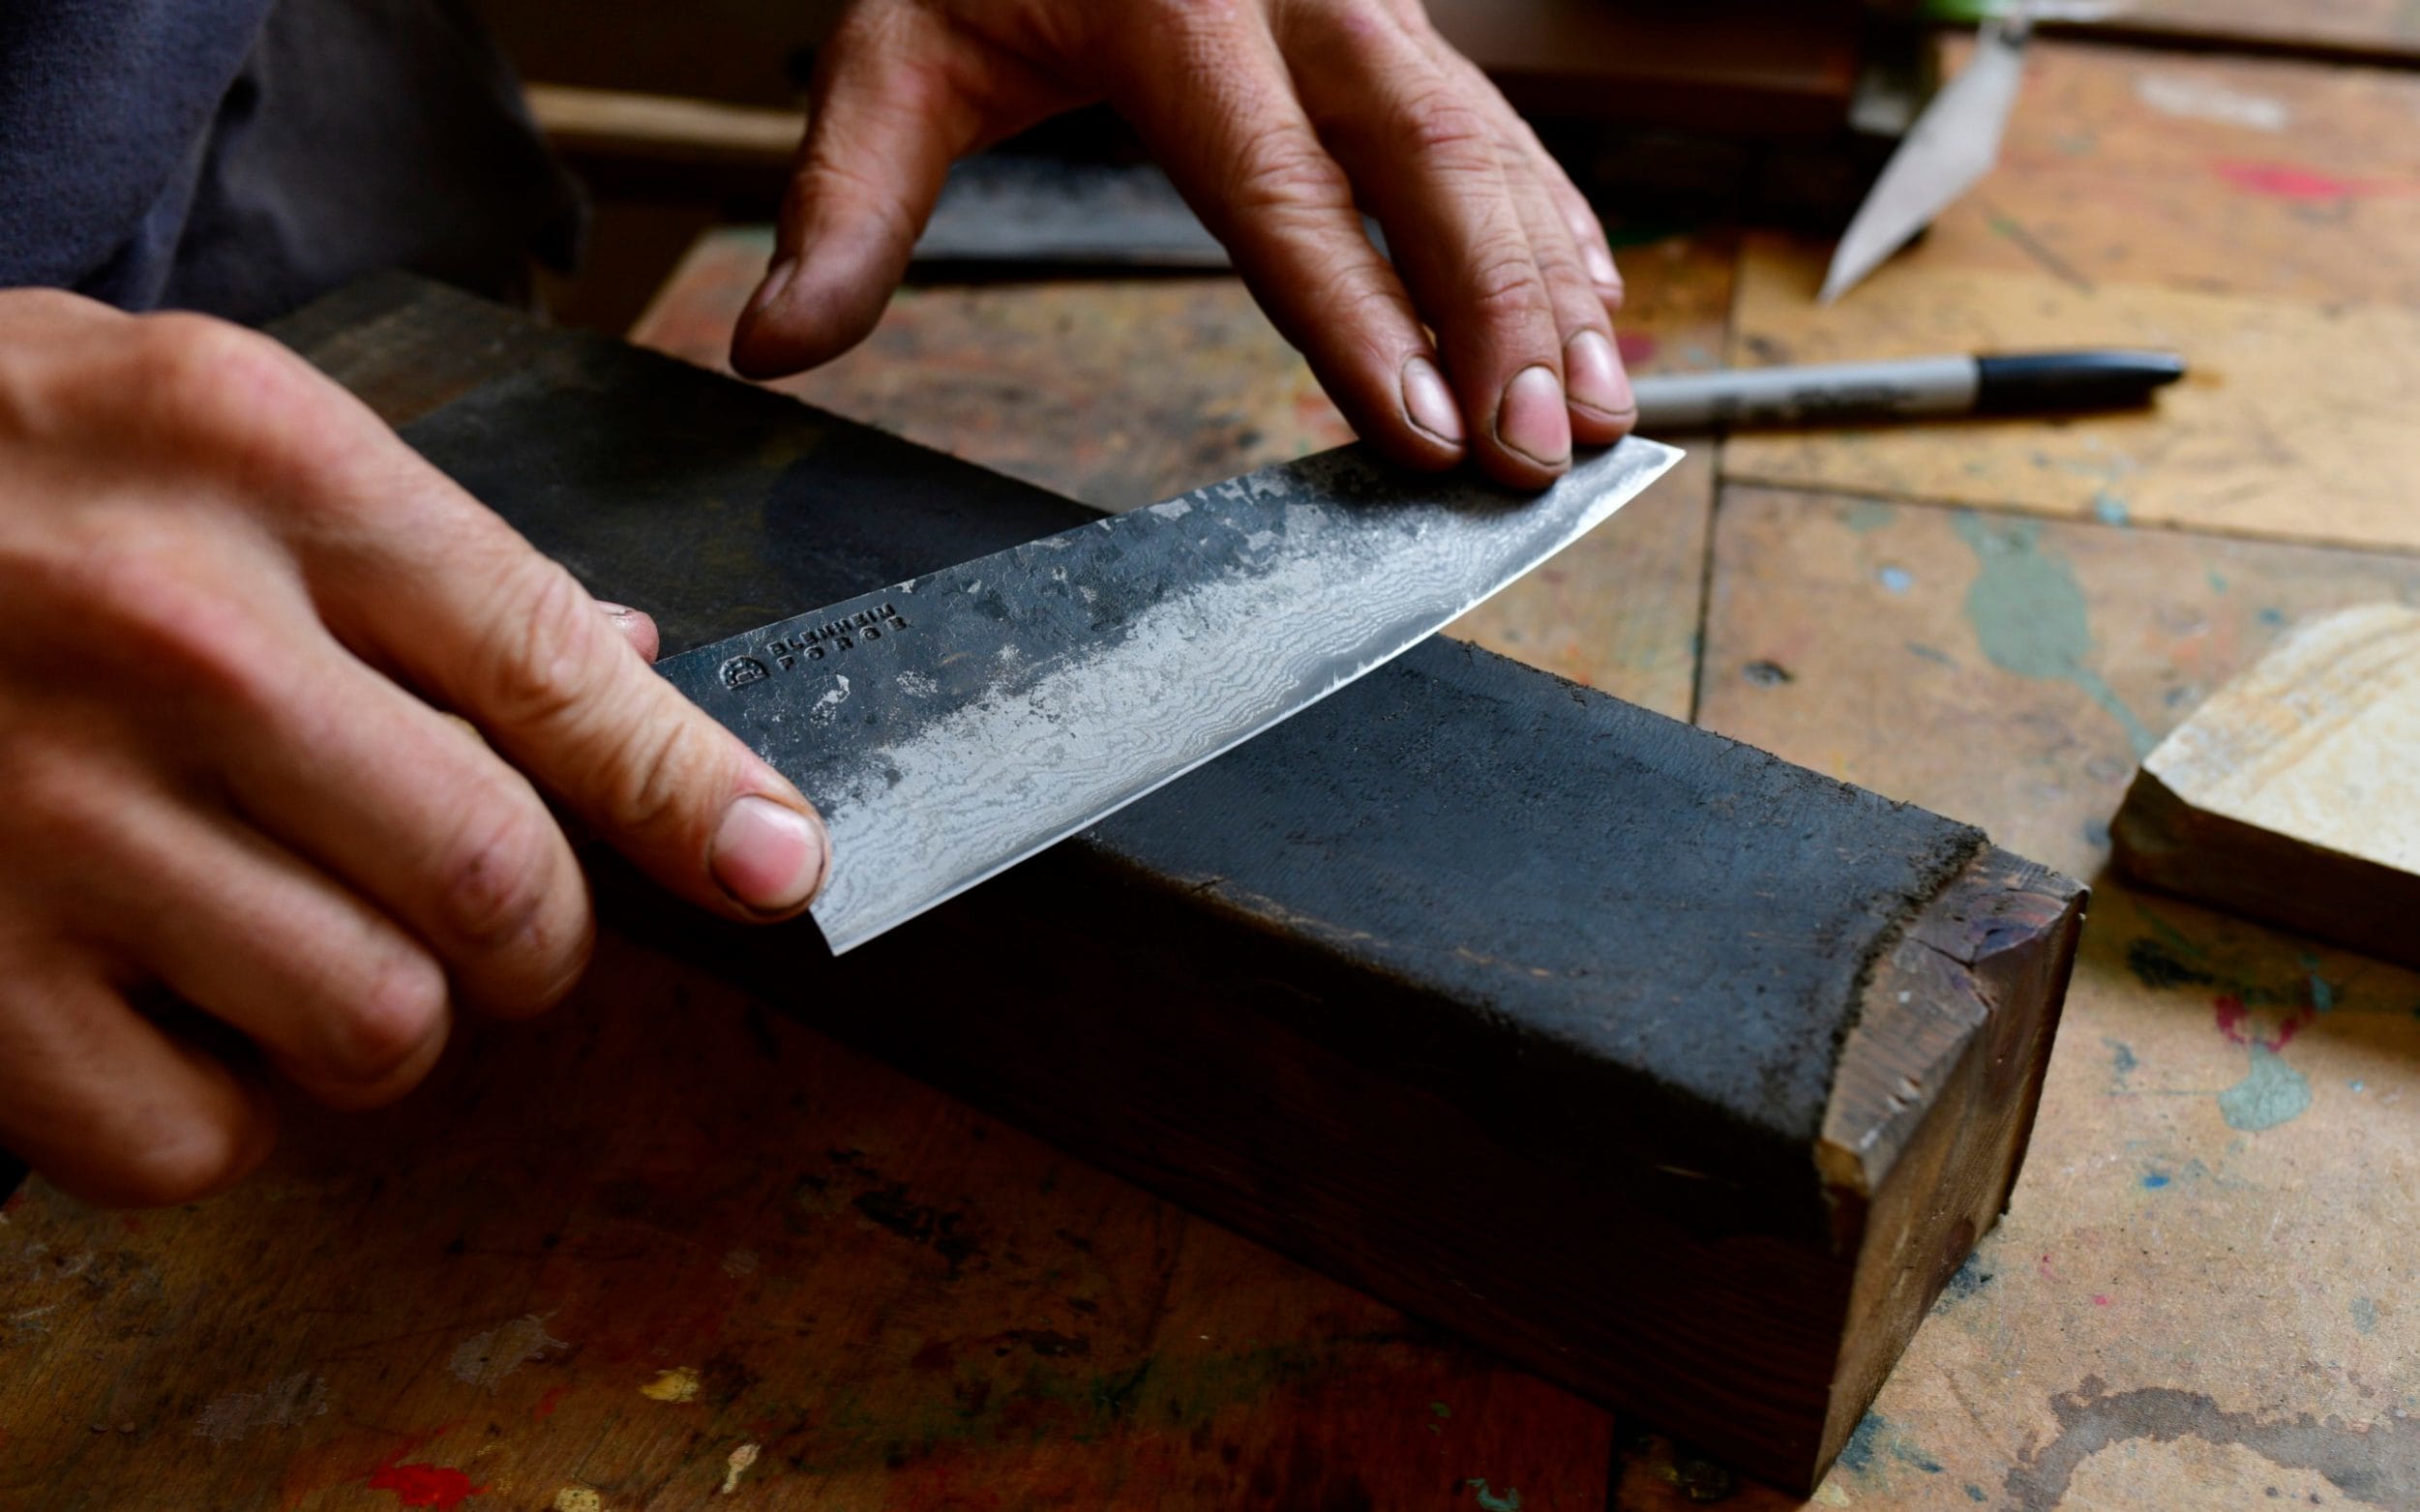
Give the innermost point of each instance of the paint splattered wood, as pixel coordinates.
(2385, 30)
(1038, 381)
(2284, 263)
(568, 1276)
(2293, 795)
(2197, 1294)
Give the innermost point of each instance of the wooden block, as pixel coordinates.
(1536, 1013)
(2293, 795)
(2224, 1160)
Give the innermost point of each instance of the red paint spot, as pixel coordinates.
(16, 1200)
(438, 1485)
(2100, 1300)
(2234, 1021)
(547, 1404)
(2285, 181)
(1636, 345)
(2045, 1267)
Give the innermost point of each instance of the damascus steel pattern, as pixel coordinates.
(948, 727)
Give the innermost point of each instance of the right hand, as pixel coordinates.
(245, 638)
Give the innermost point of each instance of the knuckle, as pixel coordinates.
(379, 1031)
(668, 781)
(1440, 125)
(495, 884)
(1503, 283)
(154, 609)
(1280, 171)
(159, 1158)
(542, 661)
(205, 370)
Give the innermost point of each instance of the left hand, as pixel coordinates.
(1280, 120)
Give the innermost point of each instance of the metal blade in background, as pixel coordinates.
(953, 725)
(1948, 151)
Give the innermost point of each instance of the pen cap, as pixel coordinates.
(2108, 380)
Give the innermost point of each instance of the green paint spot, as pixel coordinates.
(1866, 515)
(1509, 1501)
(2365, 1315)
(1441, 1409)
(2122, 1061)
(2029, 614)
(2218, 582)
(2270, 1094)
(2108, 508)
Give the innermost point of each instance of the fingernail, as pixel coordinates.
(1593, 375)
(768, 856)
(1533, 421)
(769, 292)
(615, 610)
(1600, 264)
(1429, 403)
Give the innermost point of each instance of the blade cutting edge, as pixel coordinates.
(948, 727)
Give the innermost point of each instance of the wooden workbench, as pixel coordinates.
(664, 1250)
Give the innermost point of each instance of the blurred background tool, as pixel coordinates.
(1951, 146)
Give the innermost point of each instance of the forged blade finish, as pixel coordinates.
(950, 726)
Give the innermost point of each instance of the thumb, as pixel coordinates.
(886, 123)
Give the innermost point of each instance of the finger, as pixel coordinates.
(636, 625)
(1572, 255)
(1425, 157)
(347, 1005)
(458, 607)
(897, 99)
(413, 811)
(1570, 205)
(1215, 105)
(106, 1106)
(1595, 387)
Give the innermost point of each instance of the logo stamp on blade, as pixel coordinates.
(817, 644)
(741, 670)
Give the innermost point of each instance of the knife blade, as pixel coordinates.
(950, 726)
(1948, 151)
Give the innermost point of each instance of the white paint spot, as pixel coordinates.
(740, 1459)
(1174, 509)
(485, 1359)
(2206, 100)
(1260, 540)
(829, 704)
(578, 1499)
(916, 685)
(237, 1414)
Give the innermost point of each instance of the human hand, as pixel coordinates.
(278, 701)
(1280, 120)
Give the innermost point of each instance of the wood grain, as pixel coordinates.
(2289, 795)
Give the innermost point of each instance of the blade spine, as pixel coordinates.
(1660, 465)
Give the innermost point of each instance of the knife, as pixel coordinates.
(948, 727)
(1948, 151)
